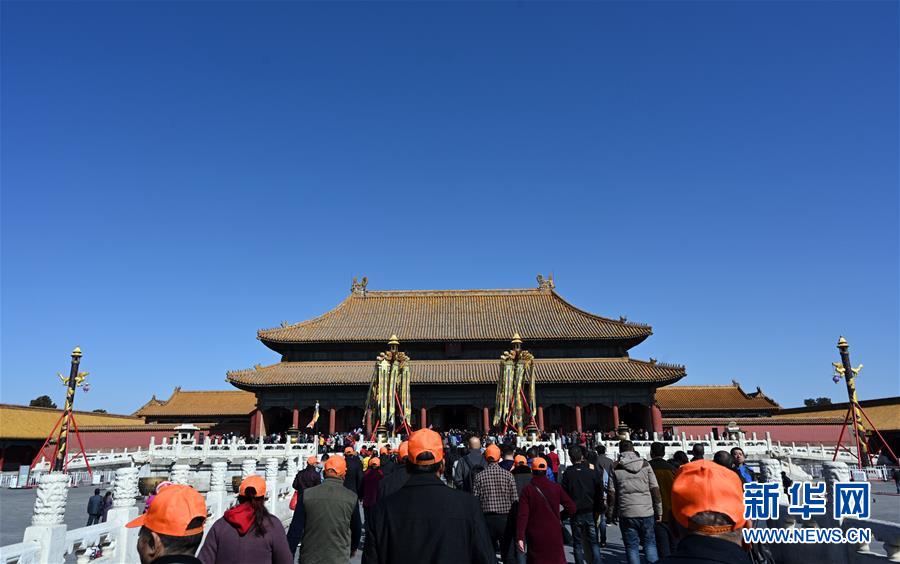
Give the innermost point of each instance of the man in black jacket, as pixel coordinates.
(708, 505)
(308, 477)
(426, 521)
(95, 508)
(583, 485)
(469, 465)
(391, 483)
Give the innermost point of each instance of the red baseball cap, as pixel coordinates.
(520, 460)
(706, 486)
(538, 463)
(492, 453)
(172, 510)
(374, 462)
(422, 441)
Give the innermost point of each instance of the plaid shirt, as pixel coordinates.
(495, 488)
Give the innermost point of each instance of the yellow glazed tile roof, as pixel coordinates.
(25, 422)
(455, 315)
(200, 403)
(556, 370)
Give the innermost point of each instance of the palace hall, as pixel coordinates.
(585, 377)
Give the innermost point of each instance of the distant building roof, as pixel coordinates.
(27, 422)
(713, 398)
(884, 412)
(200, 403)
(455, 315)
(555, 370)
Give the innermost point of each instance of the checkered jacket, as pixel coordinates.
(495, 488)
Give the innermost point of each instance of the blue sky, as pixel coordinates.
(177, 175)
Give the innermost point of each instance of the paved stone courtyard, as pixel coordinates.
(16, 506)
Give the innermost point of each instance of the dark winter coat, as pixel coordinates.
(326, 521)
(95, 505)
(701, 549)
(392, 482)
(582, 484)
(427, 521)
(372, 486)
(307, 478)
(353, 479)
(233, 539)
(538, 521)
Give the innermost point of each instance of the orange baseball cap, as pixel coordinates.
(492, 453)
(538, 463)
(403, 450)
(312, 460)
(349, 450)
(422, 441)
(520, 460)
(706, 486)
(337, 464)
(172, 511)
(385, 449)
(374, 462)
(254, 481)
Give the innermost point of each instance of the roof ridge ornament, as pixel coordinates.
(545, 283)
(358, 288)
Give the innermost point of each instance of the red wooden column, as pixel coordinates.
(486, 418)
(332, 418)
(368, 423)
(540, 420)
(423, 418)
(295, 418)
(578, 418)
(615, 416)
(656, 418)
(256, 423)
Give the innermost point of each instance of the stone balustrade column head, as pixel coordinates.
(125, 487)
(248, 467)
(50, 500)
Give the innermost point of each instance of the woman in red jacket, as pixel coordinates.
(538, 522)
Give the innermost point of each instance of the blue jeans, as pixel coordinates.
(637, 531)
(583, 524)
(601, 526)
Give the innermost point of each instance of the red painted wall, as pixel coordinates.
(813, 434)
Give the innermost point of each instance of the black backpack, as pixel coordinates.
(469, 478)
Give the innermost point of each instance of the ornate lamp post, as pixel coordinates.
(75, 379)
(845, 370)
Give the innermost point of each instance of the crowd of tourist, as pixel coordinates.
(450, 498)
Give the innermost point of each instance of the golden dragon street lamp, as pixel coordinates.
(845, 369)
(75, 380)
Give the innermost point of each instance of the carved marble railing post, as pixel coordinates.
(47, 527)
(248, 467)
(217, 476)
(291, 470)
(180, 474)
(272, 482)
(770, 471)
(832, 472)
(125, 492)
(218, 499)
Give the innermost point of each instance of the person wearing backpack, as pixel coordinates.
(469, 465)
